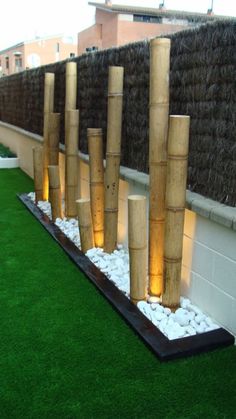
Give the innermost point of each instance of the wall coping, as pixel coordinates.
(205, 207)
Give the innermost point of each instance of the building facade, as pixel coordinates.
(40, 51)
(116, 25)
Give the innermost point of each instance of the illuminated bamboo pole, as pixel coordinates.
(85, 224)
(49, 82)
(38, 173)
(71, 162)
(55, 191)
(114, 127)
(95, 146)
(137, 232)
(158, 129)
(178, 141)
(53, 138)
(71, 88)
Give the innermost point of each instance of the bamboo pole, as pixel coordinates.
(71, 89)
(95, 146)
(71, 86)
(54, 138)
(85, 224)
(137, 232)
(158, 129)
(178, 141)
(48, 108)
(71, 162)
(55, 191)
(38, 173)
(114, 127)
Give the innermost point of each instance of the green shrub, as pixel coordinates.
(6, 152)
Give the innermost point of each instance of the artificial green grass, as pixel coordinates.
(65, 353)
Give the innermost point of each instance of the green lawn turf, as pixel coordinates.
(65, 353)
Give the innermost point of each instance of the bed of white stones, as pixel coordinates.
(188, 320)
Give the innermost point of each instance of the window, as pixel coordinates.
(18, 64)
(92, 49)
(57, 47)
(72, 54)
(7, 63)
(147, 19)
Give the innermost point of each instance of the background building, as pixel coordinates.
(40, 51)
(117, 25)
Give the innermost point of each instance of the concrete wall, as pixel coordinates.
(209, 247)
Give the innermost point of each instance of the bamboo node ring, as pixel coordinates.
(114, 94)
(172, 260)
(111, 210)
(175, 209)
(138, 248)
(171, 157)
(112, 153)
(162, 221)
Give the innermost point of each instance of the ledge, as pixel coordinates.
(205, 207)
(22, 131)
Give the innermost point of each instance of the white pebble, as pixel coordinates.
(199, 318)
(167, 311)
(182, 317)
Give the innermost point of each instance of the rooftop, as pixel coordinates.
(118, 8)
(30, 41)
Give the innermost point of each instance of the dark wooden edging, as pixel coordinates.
(162, 347)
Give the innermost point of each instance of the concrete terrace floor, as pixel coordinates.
(65, 353)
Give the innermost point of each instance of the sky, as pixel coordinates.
(26, 19)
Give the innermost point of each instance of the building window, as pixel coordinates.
(72, 54)
(57, 47)
(7, 63)
(147, 19)
(92, 49)
(18, 64)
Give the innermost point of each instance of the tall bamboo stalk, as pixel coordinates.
(158, 129)
(38, 173)
(114, 127)
(178, 142)
(71, 162)
(49, 82)
(54, 138)
(137, 232)
(71, 86)
(70, 133)
(85, 224)
(55, 191)
(95, 146)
